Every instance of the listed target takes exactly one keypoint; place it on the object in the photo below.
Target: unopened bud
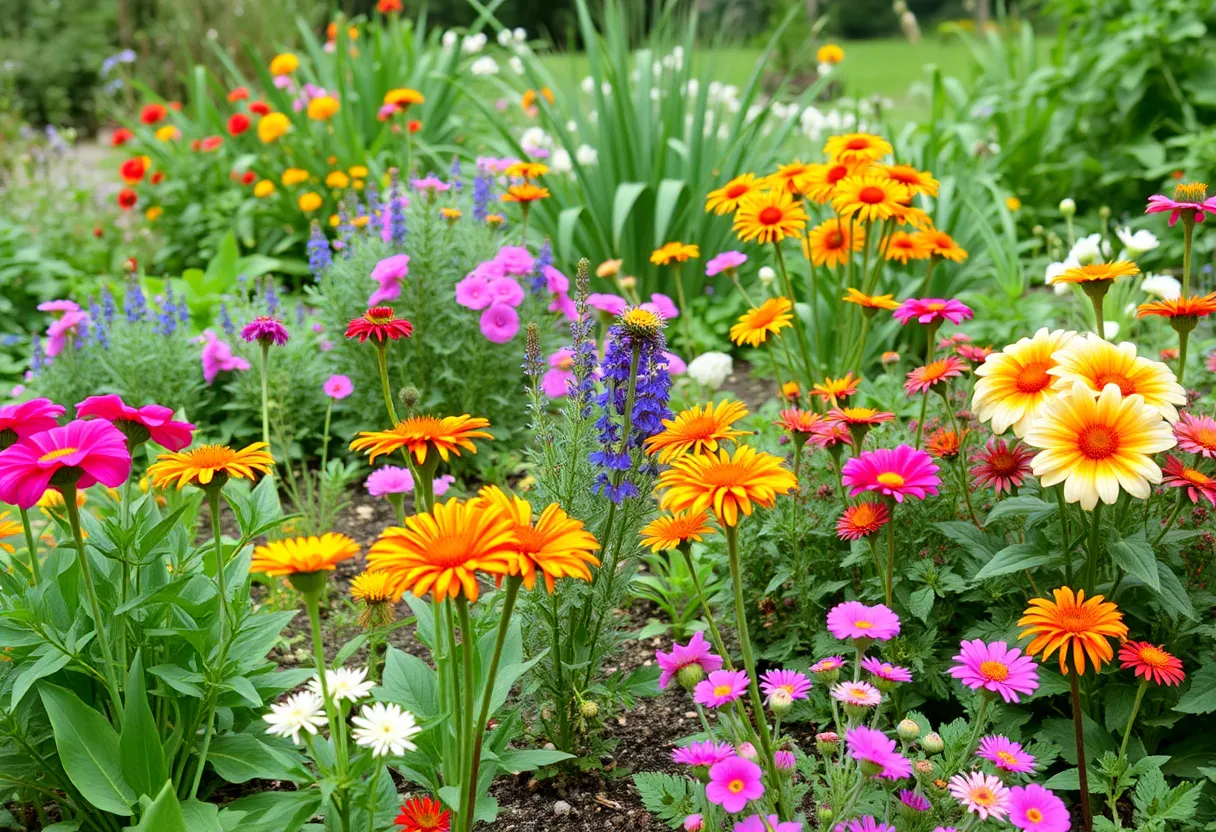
(780, 702)
(589, 709)
(827, 742)
(767, 275)
(689, 676)
(933, 743)
(1104, 212)
(1067, 207)
(694, 823)
(748, 751)
(410, 397)
(923, 766)
(907, 730)
(825, 816)
(628, 282)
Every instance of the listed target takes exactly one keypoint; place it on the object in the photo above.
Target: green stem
(31, 546)
(1173, 515)
(1063, 506)
(890, 551)
(382, 364)
(312, 603)
(1183, 337)
(799, 332)
(441, 656)
(714, 633)
(1131, 720)
(685, 313)
(1091, 565)
(371, 798)
(466, 765)
(1188, 234)
(265, 395)
(1087, 821)
(977, 729)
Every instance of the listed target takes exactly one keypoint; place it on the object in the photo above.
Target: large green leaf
(88, 750)
(143, 759)
(1200, 698)
(51, 661)
(1135, 556)
(164, 814)
(239, 758)
(1013, 558)
(409, 682)
(626, 196)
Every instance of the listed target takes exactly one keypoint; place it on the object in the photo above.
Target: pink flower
(995, 667)
(555, 281)
(563, 303)
(152, 421)
(389, 273)
(858, 694)
(59, 306)
(441, 485)
(662, 306)
(863, 824)
(727, 260)
(733, 782)
(721, 688)
(1001, 465)
(876, 753)
(473, 291)
(218, 358)
(1006, 754)
(926, 378)
(94, 451)
(885, 670)
(516, 260)
(696, 652)
(831, 664)
(326, 345)
(830, 434)
(785, 760)
(390, 479)
(21, 421)
(385, 112)
(556, 379)
(499, 323)
(431, 184)
(506, 290)
(705, 754)
(1034, 808)
(1196, 433)
(932, 311)
(338, 387)
(790, 681)
(1211, 365)
(675, 364)
(756, 824)
(915, 802)
(853, 619)
(983, 794)
(59, 330)
(897, 473)
(612, 304)
(386, 213)
(266, 331)
(694, 823)
(1159, 204)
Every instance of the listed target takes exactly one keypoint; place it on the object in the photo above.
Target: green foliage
(670, 586)
(670, 799)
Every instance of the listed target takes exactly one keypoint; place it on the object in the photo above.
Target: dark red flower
(132, 171)
(414, 126)
(211, 143)
(196, 144)
(97, 232)
(261, 108)
(152, 113)
(127, 199)
(238, 94)
(238, 123)
(1001, 466)
(121, 136)
(157, 177)
(388, 6)
(248, 177)
(424, 814)
(380, 323)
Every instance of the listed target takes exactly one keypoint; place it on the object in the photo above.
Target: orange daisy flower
(755, 324)
(206, 464)
(832, 242)
(862, 520)
(818, 182)
(556, 544)
(870, 301)
(798, 421)
(728, 484)
(1193, 307)
(1095, 272)
(525, 194)
(787, 177)
(942, 244)
(420, 434)
(868, 197)
(527, 170)
(671, 531)
(903, 247)
(858, 415)
(913, 216)
(725, 200)
(926, 378)
(769, 217)
(834, 389)
(697, 430)
(944, 443)
(857, 147)
(916, 181)
(670, 253)
(302, 555)
(1072, 623)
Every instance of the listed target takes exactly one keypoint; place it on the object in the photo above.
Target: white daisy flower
(559, 161)
(345, 684)
(504, 37)
(586, 155)
(1089, 250)
(483, 66)
(449, 38)
(301, 712)
(711, 369)
(1137, 242)
(472, 44)
(517, 66)
(1161, 286)
(385, 729)
(587, 85)
(519, 35)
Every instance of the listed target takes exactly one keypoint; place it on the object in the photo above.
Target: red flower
(127, 199)
(196, 144)
(862, 520)
(414, 126)
(97, 232)
(211, 143)
(175, 106)
(248, 177)
(157, 177)
(1177, 474)
(388, 6)
(379, 323)
(152, 113)
(1001, 466)
(261, 108)
(238, 123)
(424, 814)
(132, 171)
(238, 94)
(131, 265)
(1151, 663)
(121, 136)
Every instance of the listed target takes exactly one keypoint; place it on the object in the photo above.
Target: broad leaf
(143, 760)
(1135, 556)
(88, 749)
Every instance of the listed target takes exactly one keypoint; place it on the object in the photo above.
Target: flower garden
(494, 449)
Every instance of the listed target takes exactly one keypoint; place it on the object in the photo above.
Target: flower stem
(1188, 234)
(1183, 337)
(1173, 515)
(382, 364)
(978, 728)
(1131, 720)
(714, 633)
(31, 546)
(1087, 821)
(685, 314)
(799, 331)
(890, 552)
(466, 765)
(265, 396)
(1063, 507)
(1091, 565)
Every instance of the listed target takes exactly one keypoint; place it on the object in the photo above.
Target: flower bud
(923, 766)
(780, 702)
(410, 397)
(907, 730)
(825, 816)
(767, 275)
(628, 282)
(589, 709)
(694, 823)
(689, 676)
(1067, 207)
(932, 743)
(748, 751)
(827, 742)
(1104, 212)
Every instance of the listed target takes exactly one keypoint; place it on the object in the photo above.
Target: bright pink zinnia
(20, 421)
(1160, 203)
(662, 306)
(59, 330)
(555, 281)
(612, 304)
(515, 260)
(885, 670)
(1034, 808)
(983, 794)
(932, 310)
(757, 824)
(266, 330)
(733, 782)
(95, 450)
(389, 273)
(697, 652)
(705, 754)
(338, 386)
(62, 305)
(721, 688)
(217, 357)
(726, 261)
(390, 479)
(896, 472)
(499, 323)
(506, 290)
(152, 421)
(1005, 754)
(1196, 434)
(876, 753)
(853, 619)
(865, 823)
(1197, 484)
(791, 681)
(995, 667)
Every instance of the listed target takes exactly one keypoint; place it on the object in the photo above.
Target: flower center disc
(736, 191)
(722, 690)
(871, 195)
(1006, 757)
(1034, 815)
(770, 216)
(833, 239)
(1153, 657)
(858, 144)
(1032, 378)
(1098, 442)
(1125, 384)
(890, 479)
(994, 671)
(735, 786)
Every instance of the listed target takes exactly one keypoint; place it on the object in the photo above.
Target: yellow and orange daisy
(916, 217)
(870, 301)
(755, 325)
(672, 531)
(1014, 385)
(210, 464)
(769, 217)
(944, 443)
(857, 147)
(527, 170)
(556, 544)
(1192, 307)
(1096, 272)
(903, 247)
(697, 430)
(725, 200)
(798, 421)
(1072, 624)
(787, 177)
(372, 587)
(832, 242)
(867, 416)
(420, 435)
(675, 252)
(869, 198)
(818, 182)
(303, 555)
(1096, 362)
(943, 245)
(916, 181)
(403, 98)
(8, 528)
(729, 484)
(836, 389)
(524, 194)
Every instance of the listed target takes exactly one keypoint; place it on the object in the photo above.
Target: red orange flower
(1151, 663)
(379, 323)
(862, 520)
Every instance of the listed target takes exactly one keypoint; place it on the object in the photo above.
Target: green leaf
(516, 760)
(670, 191)
(969, 537)
(201, 817)
(180, 679)
(1135, 556)
(163, 814)
(1173, 595)
(920, 603)
(1013, 558)
(1200, 698)
(1018, 507)
(627, 194)
(409, 682)
(52, 662)
(239, 758)
(567, 223)
(88, 750)
(143, 759)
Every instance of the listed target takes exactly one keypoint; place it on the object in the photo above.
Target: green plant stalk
(265, 395)
(312, 603)
(382, 365)
(962, 464)
(890, 550)
(1091, 564)
(924, 403)
(86, 572)
(1131, 720)
(466, 714)
(322, 496)
(483, 716)
(442, 657)
(1173, 515)
(1087, 820)
(1188, 235)
(799, 331)
(685, 316)
(980, 713)
(714, 633)
(31, 546)
(454, 700)
(371, 798)
(1183, 338)
(1064, 530)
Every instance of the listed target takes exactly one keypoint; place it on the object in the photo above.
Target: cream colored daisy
(1014, 384)
(1097, 362)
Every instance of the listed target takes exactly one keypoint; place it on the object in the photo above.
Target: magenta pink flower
(93, 451)
(864, 824)
(830, 434)
(62, 305)
(555, 382)
(389, 273)
(995, 667)
(792, 682)
(499, 323)
(430, 184)
(440, 485)
(721, 688)
(694, 823)
(785, 760)
(662, 306)
(830, 664)
(473, 291)
(915, 802)
(733, 782)
(1035, 808)
(1196, 433)
(896, 472)
(59, 330)
(885, 670)
(983, 794)
(675, 364)
(857, 694)
(390, 479)
(338, 387)
(20, 421)
(506, 290)
(612, 304)
(853, 619)
(217, 357)
(756, 824)
(563, 303)
(1159, 204)
(705, 754)
(152, 421)
(876, 753)
(266, 330)
(1005, 754)
(555, 281)
(724, 262)
(515, 260)
(932, 311)
(696, 652)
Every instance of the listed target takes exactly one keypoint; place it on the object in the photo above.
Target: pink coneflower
(792, 682)
(1034, 808)
(876, 753)
(935, 373)
(757, 824)
(720, 688)
(727, 262)
(896, 472)
(886, 671)
(704, 754)
(830, 664)
(862, 520)
(830, 435)
(20, 421)
(932, 311)
(733, 782)
(138, 424)
(390, 479)
(865, 823)
(1005, 754)
(338, 387)
(499, 323)
(697, 652)
(1189, 198)
(859, 694)
(995, 667)
(983, 794)
(265, 330)
(1176, 474)
(430, 184)
(82, 452)
(556, 380)
(516, 260)
(612, 304)
(1000, 465)
(1196, 434)
(1151, 662)
(915, 802)
(853, 619)
(217, 358)
(784, 760)
(389, 273)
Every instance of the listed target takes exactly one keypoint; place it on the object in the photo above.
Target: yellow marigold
(153, 213)
(420, 435)
(8, 528)
(404, 97)
(527, 170)
(309, 202)
(870, 301)
(868, 197)
(206, 464)
(1096, 362)
(942, 244)
(450, 213)
(337, 179)
(293, 176)
(1073, 624)
(787, 177)
(264, 188)
(494, 219)
(1015, 384)
(770, 217)
(284, 64)
(671, 531)
(609, 268)
(755, 324)
(834, 389)
(829, 53)
(857, 147)
(697, 430)
(272, 126)
(167, 133)
(725, 200)
(358, 171)
(833, 241)
(525, 193)
(674, 253)
(916, 181)
(556, 544)
(727, 483)
(323, 108)
(1096, 272)
(1013, 203)
(301, 555)
(818, 182)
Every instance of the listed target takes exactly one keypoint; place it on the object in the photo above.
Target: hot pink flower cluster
(217, 357)
(932, 311)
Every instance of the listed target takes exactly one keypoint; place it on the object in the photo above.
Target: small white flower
(571, 126)
(767, 275)
(385, 729)
(345, 684)
(535, 138)
(1110, 329)
(824, 70)
(606, 88)
(1137, 242)
(1089, 250)
(519, 34)
(517, 66)
(586, 155)
(504, 37)
(587, 85)
(1161, 286)
(301, 712)
(483, 66)
(472, 44)
(1056, 269)
(559, 161)
(692, 88)
(449, 38)
(711, 369)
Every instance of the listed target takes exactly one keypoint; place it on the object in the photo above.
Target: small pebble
(365, 512)
(561, 807)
